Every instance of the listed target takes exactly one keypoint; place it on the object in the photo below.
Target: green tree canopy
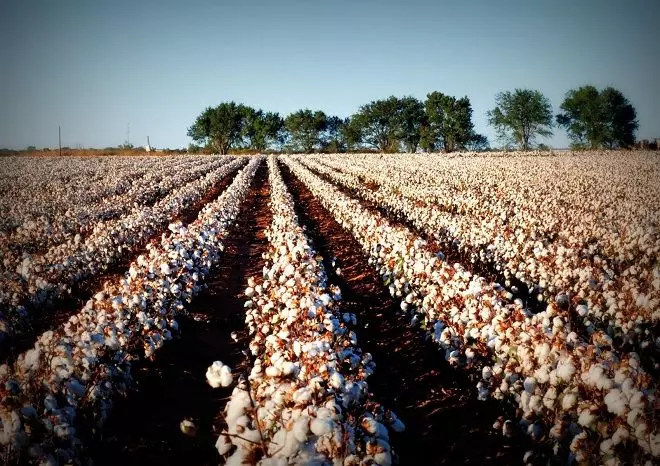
(379, 124)
(521, 116)
(333, 138)
(478, 143)
(219, 127)
(305, 129)
(449, 122)
(260, 128)
(351, 133)
(594, 119)
(411, 119)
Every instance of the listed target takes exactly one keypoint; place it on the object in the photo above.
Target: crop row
(70, 375)
(612, 304)
(580, 397)
(306, 400)
(44, 278)
(63, 222)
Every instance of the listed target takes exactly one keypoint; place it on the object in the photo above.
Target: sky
(98, 68)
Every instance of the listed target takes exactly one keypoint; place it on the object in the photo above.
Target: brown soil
(144, 427)
(53, 316)
(445, 423)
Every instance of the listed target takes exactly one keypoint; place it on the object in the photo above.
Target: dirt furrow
(56, 314)
(446, 424)
(144, 427)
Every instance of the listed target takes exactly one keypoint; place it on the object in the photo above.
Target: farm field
(345, 309)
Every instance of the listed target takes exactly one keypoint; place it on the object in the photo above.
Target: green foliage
(220, 127)
(351, 133)
(595, 120)
(305, 129)
(260, 129)
(411, 119)
(333, 139)
(478, 143)
(520, 116)
(379, 123)
(449, 122)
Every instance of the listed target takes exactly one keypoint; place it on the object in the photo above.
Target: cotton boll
(530, 384)
(616, 402)
(620, 435)
(568, 401)
(586, 418)
(223, 444)
(218, 375)
(321, 426)
(188, 427)
(607, 447)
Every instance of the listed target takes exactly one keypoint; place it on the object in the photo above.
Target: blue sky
(95, 67)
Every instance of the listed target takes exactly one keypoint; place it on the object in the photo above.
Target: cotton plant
(79, 367)
(305, 399)
(539, 362)
(501, 226)
(42, 278)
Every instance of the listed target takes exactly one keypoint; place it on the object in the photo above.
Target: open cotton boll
(219, 375)
(188, 427)
(616, 402)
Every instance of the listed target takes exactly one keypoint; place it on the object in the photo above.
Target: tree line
(593, 119)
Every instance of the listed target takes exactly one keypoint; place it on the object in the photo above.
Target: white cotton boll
(607, 447)
(165, 268)
(565, 370)
(302, 395)
(486, 373)
(219, 374)
(654, 441)
(321, 426)
(550, 397)
(620, 435)
(635, 417)
(586, 418)
(530, 384)
(582, 310)
(337, 380)
(249, 292)
(637, 400)
(223, 444)
(273, 371)
(568, 401)
(616, 402)
(301, 428)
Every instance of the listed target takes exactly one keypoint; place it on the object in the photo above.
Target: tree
(351, 134)
(478, 143)
(260, 128)
(304, 128)
(219, 127)
(449, 122)
(411, 118)
(379, 123)
(333, 139)
(520, 116)
(594, 119)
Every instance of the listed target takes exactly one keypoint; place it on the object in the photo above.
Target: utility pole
(59, 137)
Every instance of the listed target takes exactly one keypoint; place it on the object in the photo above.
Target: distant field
(496, 308)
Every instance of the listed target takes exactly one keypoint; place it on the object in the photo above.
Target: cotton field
(342, 309)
